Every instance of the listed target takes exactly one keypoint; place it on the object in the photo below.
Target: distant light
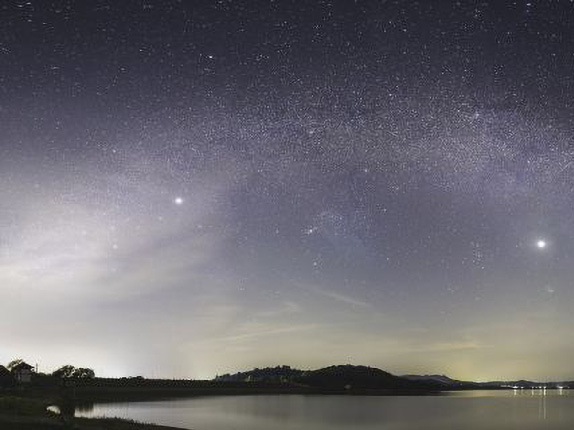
(541, 244)
(178, 201)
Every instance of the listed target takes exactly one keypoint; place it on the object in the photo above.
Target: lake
(468, 410)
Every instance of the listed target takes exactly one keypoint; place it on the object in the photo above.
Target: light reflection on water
(523, 409)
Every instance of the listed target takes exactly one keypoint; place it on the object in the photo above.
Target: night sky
(189, 188)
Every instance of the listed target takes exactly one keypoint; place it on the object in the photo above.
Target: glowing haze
(193, 188)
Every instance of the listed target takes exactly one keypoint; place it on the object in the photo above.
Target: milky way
(193, 187)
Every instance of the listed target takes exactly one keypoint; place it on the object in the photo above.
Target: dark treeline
(280, 379)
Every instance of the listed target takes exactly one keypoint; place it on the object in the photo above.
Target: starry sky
(189, 188)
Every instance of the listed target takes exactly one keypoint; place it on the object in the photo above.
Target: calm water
(461, 411)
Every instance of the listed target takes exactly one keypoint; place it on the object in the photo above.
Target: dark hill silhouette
(342, 377)
(354, 377)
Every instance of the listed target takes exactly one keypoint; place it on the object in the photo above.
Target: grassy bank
(52, 423)
(30, 413)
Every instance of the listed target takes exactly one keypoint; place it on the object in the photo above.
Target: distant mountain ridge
(439, 379)
(341, 377)
(350, 377)
(454, 383)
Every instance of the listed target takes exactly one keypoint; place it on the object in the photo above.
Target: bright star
(541, 244)
(178, 201)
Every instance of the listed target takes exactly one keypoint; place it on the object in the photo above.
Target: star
(178, 201)
(541, 244)
(310, 230)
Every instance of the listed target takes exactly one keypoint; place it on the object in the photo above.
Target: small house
(23, 373)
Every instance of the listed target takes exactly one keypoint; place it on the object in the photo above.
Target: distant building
(23, 373)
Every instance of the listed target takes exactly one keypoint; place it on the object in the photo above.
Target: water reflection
(67, 408)
(84, 407)
(542, 406)
(523, 409)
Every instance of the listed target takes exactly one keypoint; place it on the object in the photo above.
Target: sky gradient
(190, 188)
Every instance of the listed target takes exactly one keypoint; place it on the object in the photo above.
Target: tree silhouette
(63, 372)
(68, 371)
(14, 363)
(83, 373)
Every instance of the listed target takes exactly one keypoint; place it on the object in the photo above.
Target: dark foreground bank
(31, 413)
(52, 423)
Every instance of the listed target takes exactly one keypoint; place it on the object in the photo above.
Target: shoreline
(33, 413)
(53, 422)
